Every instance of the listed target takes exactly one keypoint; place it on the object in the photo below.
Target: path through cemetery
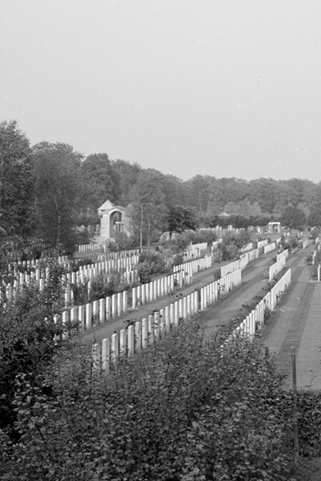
(297, 322)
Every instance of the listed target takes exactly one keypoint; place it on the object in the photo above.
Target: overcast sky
(227, 88)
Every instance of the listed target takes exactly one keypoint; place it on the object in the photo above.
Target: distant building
(274, 227)
(113, 219)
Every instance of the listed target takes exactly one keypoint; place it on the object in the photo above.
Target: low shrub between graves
(104, 285)
(151, 263)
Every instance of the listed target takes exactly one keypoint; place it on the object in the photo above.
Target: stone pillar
(131, 340)
(156, 325)
(143, 297)
(65, 320)
(114, 305)
(202, 299)
(74, 315)
(108, 308)
(188, 306)
(176, 314)
(134, 297)
(167, 319)
(119, 303)
(123, 342)
(144, 333)
(162, 286)
(184, 308)
(161, 322)
(81, 316)
(180, 309)
(38, 275)
(95, 312)
(150, 323)
(138, 336)
(105, 355)
(196, 301)
(95, 353)
(114, 347)
(102, 310)
(125, 300)
(138, 295)
(171, 314)
(88, 315)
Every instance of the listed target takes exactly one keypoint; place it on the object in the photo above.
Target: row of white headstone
(34, 263)
(216, 290)
(143, 333)
(255, 320)
(277, 267)
(241, 263)
(195, 265)
(128, 263)
(269, 247)
(160, 287)
(262, 243)
(89, 272)
(117, 304)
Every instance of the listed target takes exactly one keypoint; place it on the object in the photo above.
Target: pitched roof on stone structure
(108, 206)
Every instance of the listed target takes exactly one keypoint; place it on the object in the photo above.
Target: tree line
(48, 190)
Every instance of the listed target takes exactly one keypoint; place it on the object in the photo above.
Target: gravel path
(297, 322)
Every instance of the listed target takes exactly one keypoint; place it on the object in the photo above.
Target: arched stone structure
(113, 219)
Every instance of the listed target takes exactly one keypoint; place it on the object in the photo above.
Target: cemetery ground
(254, 283)
(282, 330)
(222, 312)
(295, 322)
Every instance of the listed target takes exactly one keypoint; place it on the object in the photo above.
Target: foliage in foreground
(29, 339)
(181, 410)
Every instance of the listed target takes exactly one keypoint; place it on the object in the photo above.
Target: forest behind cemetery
(52, 192)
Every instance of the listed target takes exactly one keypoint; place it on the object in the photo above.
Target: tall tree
(17, 193)
(314, 218)
(99, 182)
(198, 193)
(179, 218)
(57, 184)
(293, 217)
(147, 205)
(127, 174)
(263, 191)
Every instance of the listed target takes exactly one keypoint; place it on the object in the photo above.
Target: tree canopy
(293, 217)
(98, 181)
(179, 218)
(50, 189)
(17, 193)
(57, 181)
